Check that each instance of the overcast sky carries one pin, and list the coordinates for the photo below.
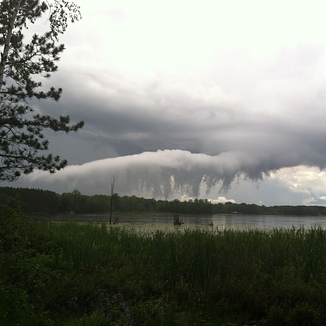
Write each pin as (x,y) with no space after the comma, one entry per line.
(210,99)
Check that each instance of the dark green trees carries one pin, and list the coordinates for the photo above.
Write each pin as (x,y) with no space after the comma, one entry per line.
(23,65)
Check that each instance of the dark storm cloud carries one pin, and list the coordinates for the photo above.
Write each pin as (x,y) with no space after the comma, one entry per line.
(289,133)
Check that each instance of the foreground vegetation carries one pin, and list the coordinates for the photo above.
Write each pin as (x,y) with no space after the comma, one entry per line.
(37,201)
(74,274)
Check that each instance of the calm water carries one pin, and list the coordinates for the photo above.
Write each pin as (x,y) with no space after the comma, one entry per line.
(220,221)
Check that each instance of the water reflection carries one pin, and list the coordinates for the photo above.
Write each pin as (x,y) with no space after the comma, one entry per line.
(241,222)
(220,221)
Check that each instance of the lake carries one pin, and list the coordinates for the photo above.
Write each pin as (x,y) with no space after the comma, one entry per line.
(220,221)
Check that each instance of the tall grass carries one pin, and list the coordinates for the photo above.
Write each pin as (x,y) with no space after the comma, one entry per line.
(99,275)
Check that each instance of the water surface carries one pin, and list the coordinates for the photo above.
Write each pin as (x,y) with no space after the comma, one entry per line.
(220,221)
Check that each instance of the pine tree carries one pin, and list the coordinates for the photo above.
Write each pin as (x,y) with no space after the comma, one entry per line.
(21,66)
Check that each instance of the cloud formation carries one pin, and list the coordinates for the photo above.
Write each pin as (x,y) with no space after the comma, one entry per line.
(171,174)
(161,174)
(174,108)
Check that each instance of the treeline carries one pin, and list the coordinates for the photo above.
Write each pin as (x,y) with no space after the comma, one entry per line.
(37,201)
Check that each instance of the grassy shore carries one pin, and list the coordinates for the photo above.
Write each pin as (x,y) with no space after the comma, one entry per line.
(73,274)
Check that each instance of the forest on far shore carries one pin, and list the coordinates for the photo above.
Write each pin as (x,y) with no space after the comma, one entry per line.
(37,201)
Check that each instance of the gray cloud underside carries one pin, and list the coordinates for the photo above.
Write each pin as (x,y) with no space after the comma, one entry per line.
(160,174)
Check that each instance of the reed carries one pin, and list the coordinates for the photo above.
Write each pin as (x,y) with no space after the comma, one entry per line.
(114,275)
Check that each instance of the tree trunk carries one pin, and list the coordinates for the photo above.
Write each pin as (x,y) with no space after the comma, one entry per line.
(111,202)
(4,54)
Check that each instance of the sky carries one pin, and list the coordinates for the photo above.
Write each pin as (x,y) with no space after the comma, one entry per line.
(223,100)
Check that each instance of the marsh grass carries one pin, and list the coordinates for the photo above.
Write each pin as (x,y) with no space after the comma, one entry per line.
(74,274)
